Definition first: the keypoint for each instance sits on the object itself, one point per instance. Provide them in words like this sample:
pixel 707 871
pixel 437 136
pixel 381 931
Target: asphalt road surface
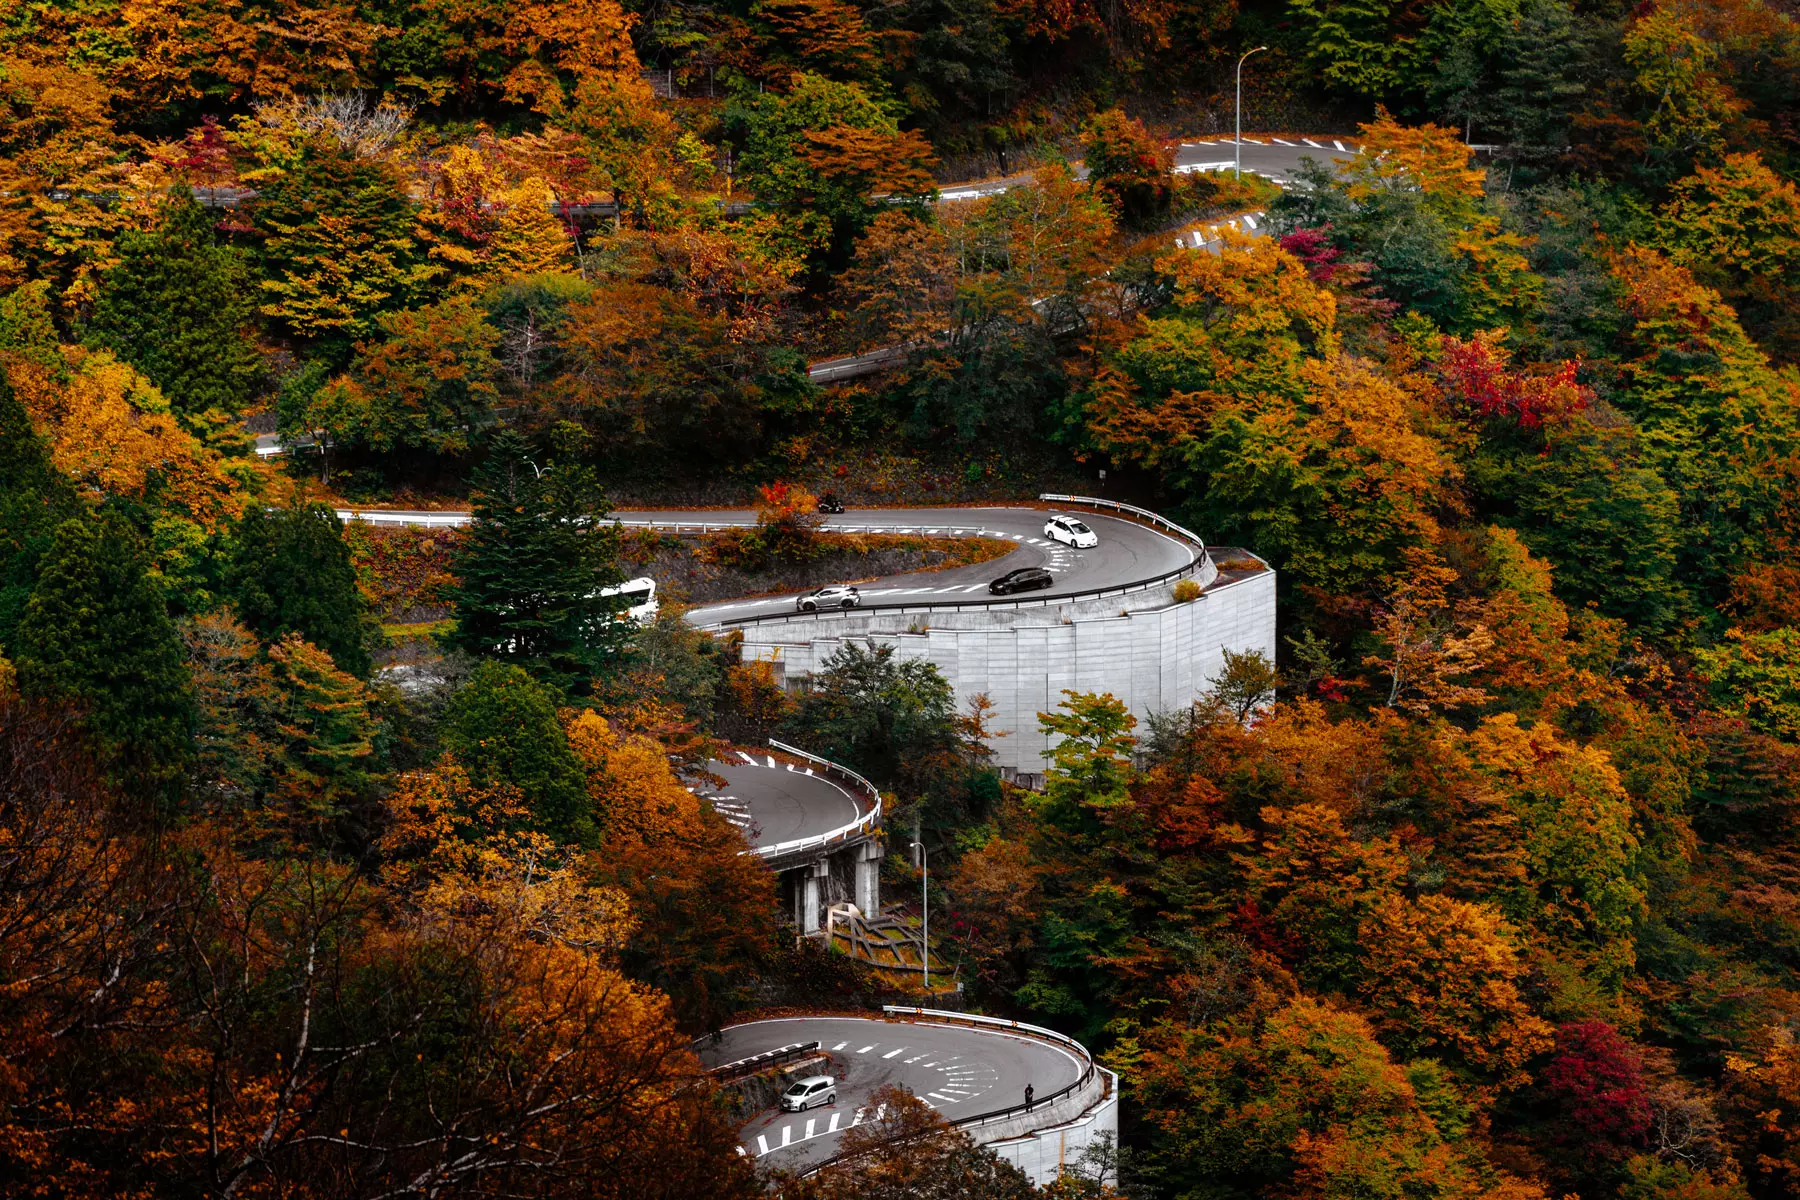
pixel 1127 552
pixel 1273 158
pixel 958 1070
pixel 773 802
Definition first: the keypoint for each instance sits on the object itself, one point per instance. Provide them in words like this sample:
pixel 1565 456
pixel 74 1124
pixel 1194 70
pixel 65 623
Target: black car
pixel 1024 579
pixel 829 503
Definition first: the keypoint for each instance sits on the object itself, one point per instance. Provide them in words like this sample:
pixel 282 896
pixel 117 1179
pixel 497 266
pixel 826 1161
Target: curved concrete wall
pixel 1146 650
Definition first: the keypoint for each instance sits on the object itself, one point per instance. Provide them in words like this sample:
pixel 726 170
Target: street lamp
pixel 1237 116
pixel 925 935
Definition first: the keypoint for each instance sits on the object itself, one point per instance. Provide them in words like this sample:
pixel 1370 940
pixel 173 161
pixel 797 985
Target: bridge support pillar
pixel 868 878
pixel 809 895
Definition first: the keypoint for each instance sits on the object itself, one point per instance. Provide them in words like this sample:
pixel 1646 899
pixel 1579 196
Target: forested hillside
pixel 341 861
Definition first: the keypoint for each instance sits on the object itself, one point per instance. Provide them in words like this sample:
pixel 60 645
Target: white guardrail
pixel 1201 565
pixel 864 823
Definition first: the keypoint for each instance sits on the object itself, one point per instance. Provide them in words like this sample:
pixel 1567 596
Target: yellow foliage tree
pixel 111 431
pixel 1443 977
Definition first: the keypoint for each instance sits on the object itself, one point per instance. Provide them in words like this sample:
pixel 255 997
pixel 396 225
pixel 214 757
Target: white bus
pixel 642 594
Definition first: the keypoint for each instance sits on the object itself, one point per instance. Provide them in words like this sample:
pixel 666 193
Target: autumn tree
pixel 1426 647
pixel 328 733
pixel 338 247
pixel 426 385
pixel 820 153
pixel 1298 1095
pixel 237 736
pixel 1130 166
pixel 1737 227
pixel 1715 432
pixel 1445 978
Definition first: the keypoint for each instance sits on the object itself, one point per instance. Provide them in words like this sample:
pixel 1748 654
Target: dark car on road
pixel 829 503
pixel 1024 579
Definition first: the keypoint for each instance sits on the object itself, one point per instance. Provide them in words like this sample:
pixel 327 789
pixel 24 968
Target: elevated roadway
pixel 1128 550
pixel 965 1071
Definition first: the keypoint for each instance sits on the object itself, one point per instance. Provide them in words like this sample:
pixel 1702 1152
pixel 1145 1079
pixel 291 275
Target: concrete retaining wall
pixel 1043 1154
pixel 1147 651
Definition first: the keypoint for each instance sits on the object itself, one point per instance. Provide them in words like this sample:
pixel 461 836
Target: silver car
pixel 805 1093
pixel 835 596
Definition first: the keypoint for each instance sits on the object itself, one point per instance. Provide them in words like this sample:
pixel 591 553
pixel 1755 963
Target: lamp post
pixel 1237 117
pixel 925 935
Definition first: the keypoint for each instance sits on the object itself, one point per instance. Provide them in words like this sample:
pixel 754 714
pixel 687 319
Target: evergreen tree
pixel 502 726
pixel 97 633
pixel 34 499
pixel 532 568
pixel 1543 55
pixel 290 572
pixel 178 306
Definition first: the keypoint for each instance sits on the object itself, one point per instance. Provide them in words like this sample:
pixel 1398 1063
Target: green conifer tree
pixel 290 572
pixel 34 499
pixel 179 307
pixel 97 633
pixel 532 568
pixel 502 725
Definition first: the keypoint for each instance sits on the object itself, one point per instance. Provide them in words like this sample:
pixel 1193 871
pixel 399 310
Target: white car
pixel 1070 532
pixel 814 1089
pixel 838 595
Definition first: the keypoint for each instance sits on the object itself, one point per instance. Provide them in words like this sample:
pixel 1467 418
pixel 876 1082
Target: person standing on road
pixel 1028 1097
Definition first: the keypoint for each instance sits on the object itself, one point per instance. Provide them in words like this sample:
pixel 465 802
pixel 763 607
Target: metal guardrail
pixel 1037 1031
pixel 1202 562
pixel 768 1058
pixel 864 823
pixel 1037 1102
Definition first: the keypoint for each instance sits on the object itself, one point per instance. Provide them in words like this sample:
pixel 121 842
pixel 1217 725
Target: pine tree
pixel 535 560
pixel 503 727
pixel 290 572
pixel 34 499
pixel 97 633
pixel 178 306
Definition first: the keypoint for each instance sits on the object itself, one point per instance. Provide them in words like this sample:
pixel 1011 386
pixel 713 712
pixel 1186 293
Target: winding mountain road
pixel 1128 551
pixel 958 1070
